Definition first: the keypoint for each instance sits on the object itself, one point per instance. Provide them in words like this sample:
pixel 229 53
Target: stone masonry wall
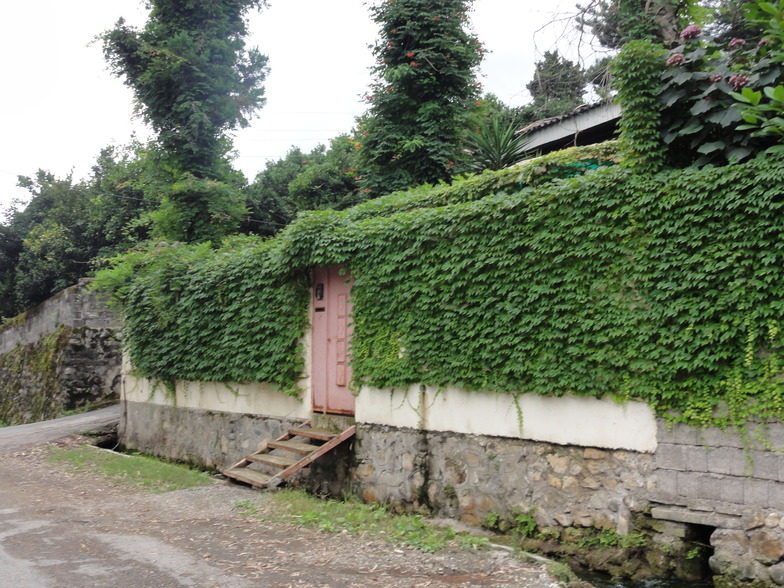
pixel 62 355
pixel 209 439
pixel 731 482
pixel 698 488
pixel 470 477
pixel 76 307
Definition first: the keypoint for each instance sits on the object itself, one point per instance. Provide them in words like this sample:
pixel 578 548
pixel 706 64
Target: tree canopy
pixel 194 81
pixel 425 85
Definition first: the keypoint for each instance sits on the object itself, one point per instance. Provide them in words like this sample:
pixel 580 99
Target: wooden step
pixel 294 446
pixel 272 460
pixel 249 476
pixel 312 434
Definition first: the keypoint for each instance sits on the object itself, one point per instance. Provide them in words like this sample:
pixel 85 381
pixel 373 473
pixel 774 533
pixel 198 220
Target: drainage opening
pixel 697 553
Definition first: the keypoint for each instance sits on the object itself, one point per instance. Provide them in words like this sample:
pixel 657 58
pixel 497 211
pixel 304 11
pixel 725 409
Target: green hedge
pixel 667 288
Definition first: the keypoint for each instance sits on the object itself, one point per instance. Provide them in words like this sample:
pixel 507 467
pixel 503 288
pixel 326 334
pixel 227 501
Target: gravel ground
pixel 64 529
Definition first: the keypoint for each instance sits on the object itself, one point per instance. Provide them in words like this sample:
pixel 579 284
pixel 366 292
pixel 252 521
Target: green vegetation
pixel 610 538
pixel 34 367
pixel 195 82
pixel 426 89
pixel 660 287
pixel 373 520
pixel 238 313
pixel 134 471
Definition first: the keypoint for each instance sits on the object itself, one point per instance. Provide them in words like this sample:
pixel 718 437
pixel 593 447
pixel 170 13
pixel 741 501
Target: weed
pixel 525 524
pixel 491 520
pixel 694 553
pixel 333 516
pixel 611 538
pixel 137 471
pixel 246 507
pixel 561 572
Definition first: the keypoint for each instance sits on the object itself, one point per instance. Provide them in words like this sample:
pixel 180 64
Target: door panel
pixel 331 298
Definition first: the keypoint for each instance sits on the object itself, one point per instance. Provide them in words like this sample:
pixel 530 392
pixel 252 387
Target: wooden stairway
pixel 288 454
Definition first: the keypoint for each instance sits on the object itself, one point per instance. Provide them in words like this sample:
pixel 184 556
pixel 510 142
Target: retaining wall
pixel 62 355
pixel 717 492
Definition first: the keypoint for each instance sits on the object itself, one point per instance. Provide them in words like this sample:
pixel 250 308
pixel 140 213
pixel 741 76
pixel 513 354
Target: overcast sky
pixel 59 105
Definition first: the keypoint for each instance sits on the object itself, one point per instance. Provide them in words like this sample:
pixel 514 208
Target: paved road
pixel 20 436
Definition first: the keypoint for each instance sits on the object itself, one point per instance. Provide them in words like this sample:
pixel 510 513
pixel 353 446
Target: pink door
pixel 331 334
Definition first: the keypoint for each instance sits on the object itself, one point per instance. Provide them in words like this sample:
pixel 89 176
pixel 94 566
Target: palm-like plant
pixel 497 144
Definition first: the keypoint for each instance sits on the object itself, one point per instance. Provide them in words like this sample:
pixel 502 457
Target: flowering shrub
pixel 676 59
pixel 690 32
pixel 702 123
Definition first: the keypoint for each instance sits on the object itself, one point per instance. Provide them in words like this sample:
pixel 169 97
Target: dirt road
pixel 60 529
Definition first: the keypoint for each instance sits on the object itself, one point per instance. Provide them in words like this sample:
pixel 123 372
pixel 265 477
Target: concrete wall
pixel 568 420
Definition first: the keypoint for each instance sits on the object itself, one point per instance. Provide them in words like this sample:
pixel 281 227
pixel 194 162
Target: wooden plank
pixel 245 462
pixel 295 446
pixel 312 434
pixel 249 476
pixel 272 460
pixel 309 459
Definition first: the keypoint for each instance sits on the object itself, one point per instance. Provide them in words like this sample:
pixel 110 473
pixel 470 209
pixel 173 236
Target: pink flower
pixel 763 42
pixel 676 59
pixel 716 78
pixel 736 43
pixel 690 32
pixel 737 82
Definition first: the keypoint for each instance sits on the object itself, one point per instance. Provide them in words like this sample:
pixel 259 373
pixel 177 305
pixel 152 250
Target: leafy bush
pixel 701 81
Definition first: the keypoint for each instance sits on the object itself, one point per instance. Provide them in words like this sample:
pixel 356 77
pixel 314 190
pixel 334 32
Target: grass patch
pixel 133 471
pixel 373 520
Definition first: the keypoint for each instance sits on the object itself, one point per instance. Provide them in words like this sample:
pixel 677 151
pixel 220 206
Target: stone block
pixel 727 460
pixel 776 495
pixel 592 453
pixel 775 436
pixel 715 438
pixel 679 434
pixel 689 485
pixel 667 481
pixel 765 465
pixel 670 457
pixel 559 463
pixel 733 542
pixel 767 546
pixel 696 458
pixel 756 493
pixel 732 489
pixel 710 487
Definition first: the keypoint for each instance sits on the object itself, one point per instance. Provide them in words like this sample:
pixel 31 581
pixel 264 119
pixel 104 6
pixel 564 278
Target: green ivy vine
pixel 664 287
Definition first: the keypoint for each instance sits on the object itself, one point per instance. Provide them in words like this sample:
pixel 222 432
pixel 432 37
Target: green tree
pixel 69 227
pixel 323 178
pixel 194 81
pixel 615 22
pixel 329 182
pixel 557 87
pixel 420 103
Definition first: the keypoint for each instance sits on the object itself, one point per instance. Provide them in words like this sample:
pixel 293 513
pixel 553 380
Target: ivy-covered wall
pixel 665 287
